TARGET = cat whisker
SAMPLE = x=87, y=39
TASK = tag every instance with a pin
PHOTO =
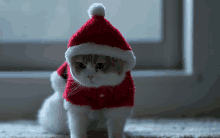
x=110, y=89
x=73, y=90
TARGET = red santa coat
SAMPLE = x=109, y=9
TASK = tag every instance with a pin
x=98, y=98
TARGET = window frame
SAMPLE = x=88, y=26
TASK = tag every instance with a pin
x=167, y=53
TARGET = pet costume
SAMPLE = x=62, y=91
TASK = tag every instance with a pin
x=98, y=36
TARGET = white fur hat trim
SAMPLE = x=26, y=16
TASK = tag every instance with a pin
x=92, y=48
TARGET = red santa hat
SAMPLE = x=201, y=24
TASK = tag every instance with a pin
x=98, y=36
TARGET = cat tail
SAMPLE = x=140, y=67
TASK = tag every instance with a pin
x=52, y=116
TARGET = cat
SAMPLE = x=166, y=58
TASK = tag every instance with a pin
x=60, y=116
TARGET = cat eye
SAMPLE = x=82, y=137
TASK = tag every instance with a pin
x=80, y=65
x=100, y=65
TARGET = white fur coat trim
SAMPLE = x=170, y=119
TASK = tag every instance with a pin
x=92, y=48
x=57, y=83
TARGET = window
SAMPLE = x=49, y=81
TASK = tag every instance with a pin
x=34, y=37
x=62, y=18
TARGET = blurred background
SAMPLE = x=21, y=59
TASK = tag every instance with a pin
x=175, y=42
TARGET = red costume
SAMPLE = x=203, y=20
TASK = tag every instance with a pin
x=98, y=98
x=98, y=36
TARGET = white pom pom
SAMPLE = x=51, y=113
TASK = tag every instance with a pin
x=96, y=9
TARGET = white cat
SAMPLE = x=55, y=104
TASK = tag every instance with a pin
x=60, y=116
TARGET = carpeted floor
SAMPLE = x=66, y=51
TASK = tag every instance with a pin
x=135, y=128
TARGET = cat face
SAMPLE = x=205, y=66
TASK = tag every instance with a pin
x=97, y=70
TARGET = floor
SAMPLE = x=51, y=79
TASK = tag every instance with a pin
x=135, y=128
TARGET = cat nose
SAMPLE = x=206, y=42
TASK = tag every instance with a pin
x=90, y=77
